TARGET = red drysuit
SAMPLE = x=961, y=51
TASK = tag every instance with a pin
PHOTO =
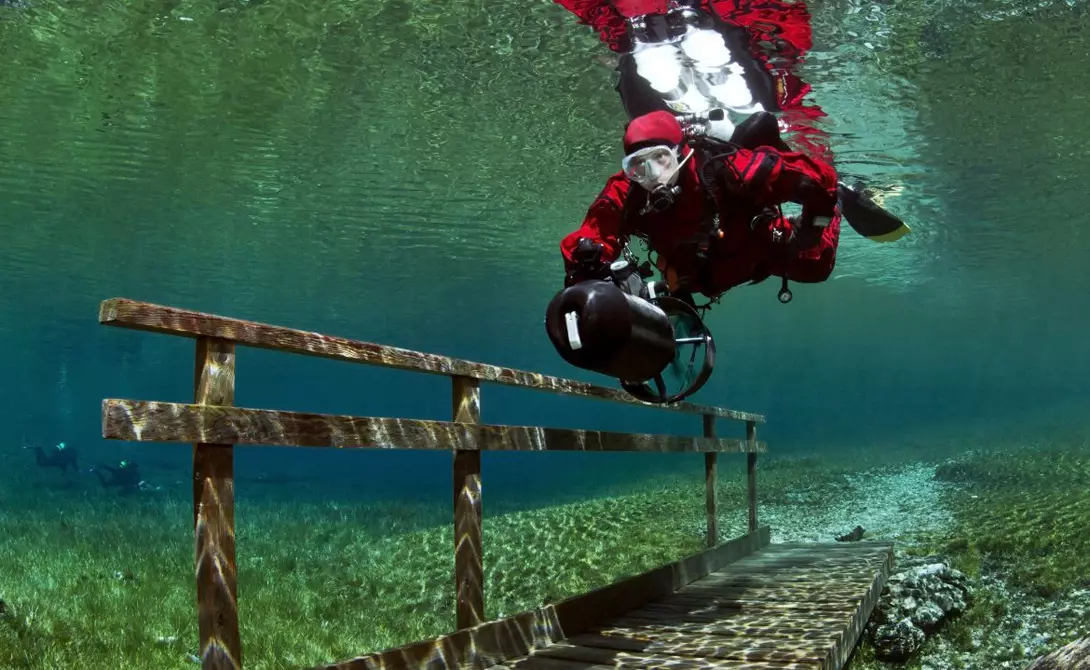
x=746, y=250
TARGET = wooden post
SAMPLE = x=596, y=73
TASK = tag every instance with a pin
x=468, y=561
x=751, y=472
x=214, y=516
x=710, y=459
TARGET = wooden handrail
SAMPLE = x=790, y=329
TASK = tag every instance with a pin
x=153, y=421
x=126, y=313
x=214, y=425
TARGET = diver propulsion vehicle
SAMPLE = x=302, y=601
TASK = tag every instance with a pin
x=625, y=327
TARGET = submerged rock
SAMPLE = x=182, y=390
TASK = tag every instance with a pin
x=918, y=598
x=1075, y=656
x=854, y=535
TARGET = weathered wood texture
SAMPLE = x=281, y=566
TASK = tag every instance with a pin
x=214, y=515
x=152, y=421
x=710, y=487
x=751, y=473
x=1073, y=656
x=468, y=552
x=513, y=637
x=127, y=313
x=785, y=606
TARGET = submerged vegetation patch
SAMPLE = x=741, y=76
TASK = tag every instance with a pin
x=1018, y=520
x=1025, y=511
x=100, y=581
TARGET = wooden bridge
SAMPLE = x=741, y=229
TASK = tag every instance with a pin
x=744, y=603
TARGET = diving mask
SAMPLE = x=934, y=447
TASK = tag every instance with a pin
x=656, y=170
x=651, y=166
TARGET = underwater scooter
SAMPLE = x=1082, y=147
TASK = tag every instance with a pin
x=629, y=328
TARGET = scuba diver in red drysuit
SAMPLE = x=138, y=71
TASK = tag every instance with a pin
x=712, y=217
x=765, y=39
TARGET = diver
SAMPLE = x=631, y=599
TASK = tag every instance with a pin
x=59, y=457
x=126, y=476
x=712, y=213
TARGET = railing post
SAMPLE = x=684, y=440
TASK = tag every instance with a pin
x=751, y=472
x=214, y=516
x=710, y=459
x=468, y=560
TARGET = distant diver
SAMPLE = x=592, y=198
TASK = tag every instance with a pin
x=60, y=457
x=125, y=477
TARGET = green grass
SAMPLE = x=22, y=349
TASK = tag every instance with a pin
x=98, y=581
x=1021, y=513
x=1024, y=511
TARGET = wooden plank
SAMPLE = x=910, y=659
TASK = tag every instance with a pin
x=862, y=548
x=496, y=642
x=817, y=592
x=787, y=627
x=710, y=484
x=214, y=516
x=802, y=578
x=709, y=657
x=801, y=567
x=153, y=421
x=802, y=649
x=751, y=474
x=468, y=551
x=125, y=313
x=816, y=559
x=758, y=581
x=542, y=663
x=725, y=608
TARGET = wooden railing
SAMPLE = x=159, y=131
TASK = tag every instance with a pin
x=214, y=425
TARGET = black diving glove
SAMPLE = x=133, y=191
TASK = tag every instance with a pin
x=588, y=263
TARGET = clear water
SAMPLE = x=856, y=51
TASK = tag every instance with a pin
x=402, y=172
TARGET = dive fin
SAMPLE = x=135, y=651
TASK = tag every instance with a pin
x=867, y=218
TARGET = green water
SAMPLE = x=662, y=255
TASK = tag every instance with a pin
x=403, y=171
x=381, y=170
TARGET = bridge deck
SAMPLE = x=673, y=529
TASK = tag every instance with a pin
x=785, y=606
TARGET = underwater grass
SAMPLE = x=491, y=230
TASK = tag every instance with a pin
x=94, y=580
x=96, y=591
x=1020, y=515
x=1023, y=511
x=99, y=581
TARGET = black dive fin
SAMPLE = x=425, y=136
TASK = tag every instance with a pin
x=867, y=218
x=760, y=129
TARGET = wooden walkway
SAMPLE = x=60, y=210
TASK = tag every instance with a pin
x=786, y=606
x=742, y=603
